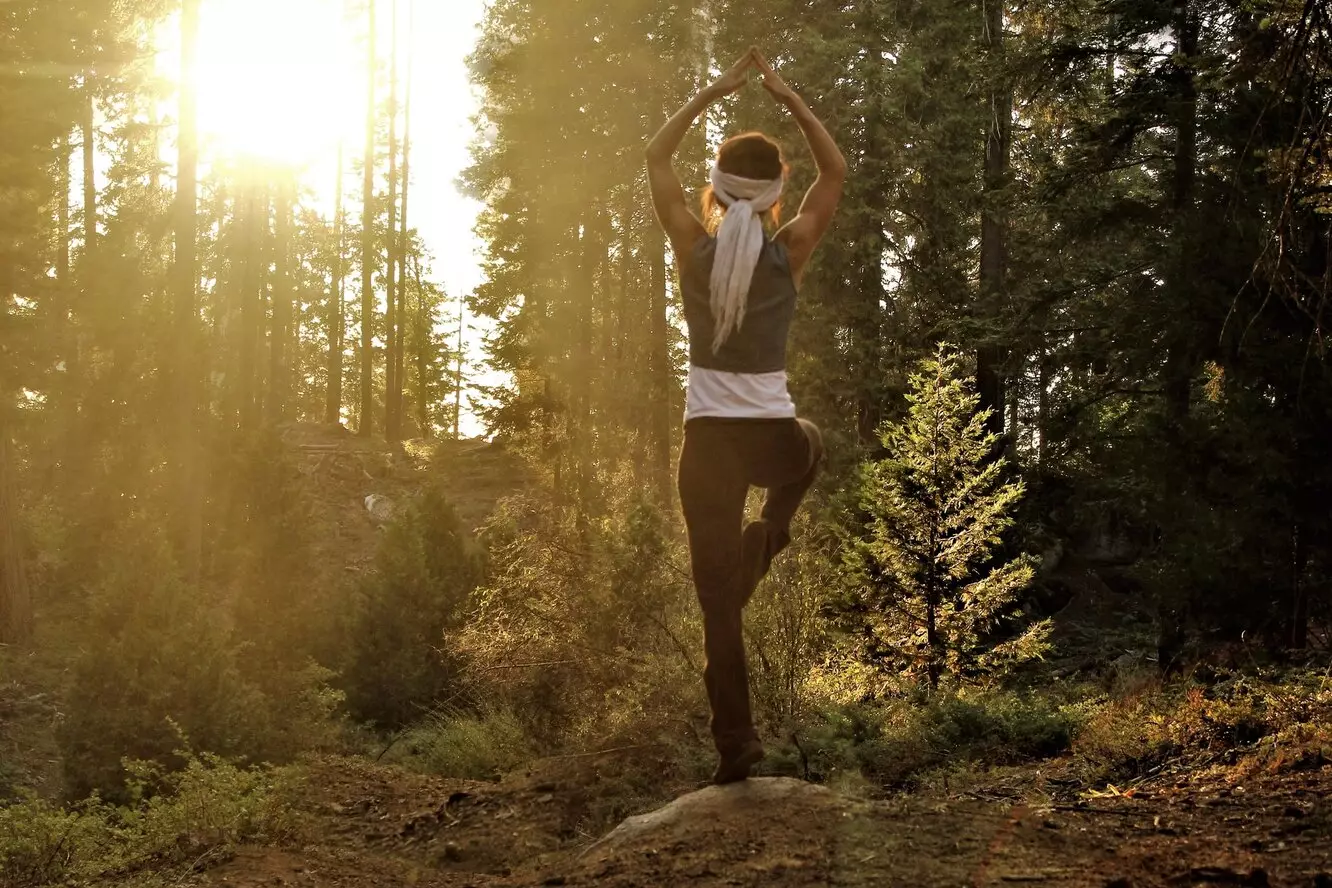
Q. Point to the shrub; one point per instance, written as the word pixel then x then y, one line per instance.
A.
pixel 159 653
pixel 170 819
pixel 588 631
pixel 481 746
pixel 897 742
pixel 427 567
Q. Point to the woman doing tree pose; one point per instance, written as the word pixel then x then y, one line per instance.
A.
pixel 741 431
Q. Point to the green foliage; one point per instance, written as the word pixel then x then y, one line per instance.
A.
pixel 939 592
pixel 589 634
pixel 171 820
pixel 159 655
pixel 897 743
pixel 786 633
pixel 1260 721
pixel 426 567
pixel 481 746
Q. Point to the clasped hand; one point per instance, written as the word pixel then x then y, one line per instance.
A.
pixel 738 75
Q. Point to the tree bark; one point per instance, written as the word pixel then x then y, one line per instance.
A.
pixel 190 398
pixel 422 356
pixel 993 259
pixel 1174 605
pixel 89 172
pixel 400 356
pixel 15 593
pixel 250 306
pixel 279 373
pixel 458 376
pixel 659 369
pixel 393 321
pixel 335 324
pixel 366 419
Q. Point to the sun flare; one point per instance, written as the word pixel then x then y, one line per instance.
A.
pixel 278 80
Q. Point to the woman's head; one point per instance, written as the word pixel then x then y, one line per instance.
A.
pixel 750 156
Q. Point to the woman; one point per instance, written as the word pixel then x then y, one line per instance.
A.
pixel 741 431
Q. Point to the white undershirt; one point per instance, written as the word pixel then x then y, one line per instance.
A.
pixel 737 395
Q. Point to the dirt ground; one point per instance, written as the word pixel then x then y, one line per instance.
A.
pixel 366 825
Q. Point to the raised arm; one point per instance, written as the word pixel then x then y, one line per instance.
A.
pixel 803 233
pixel 682 227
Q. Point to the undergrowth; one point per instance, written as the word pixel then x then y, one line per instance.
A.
pixel 174 822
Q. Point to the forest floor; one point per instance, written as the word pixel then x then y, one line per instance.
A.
pixel 364 825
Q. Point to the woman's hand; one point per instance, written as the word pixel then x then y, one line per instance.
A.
pixel 736 77
pixel 772 81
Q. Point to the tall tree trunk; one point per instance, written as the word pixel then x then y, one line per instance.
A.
pixel 87 272
pixel 659 364
pixel 422 356
pixel 89 171
pixel 62 220
pixel 15 593
pixel 868 321
pixel 250 304
pixel 65 337
pixel 335 325
pixel 366 420
pixel 400 356
pixel 279 375
pixel 393 386
pixel 458 376
pixel 1178 362
pixel 581 436
pixel 1174 604
pixel 190 396
pixel 993 260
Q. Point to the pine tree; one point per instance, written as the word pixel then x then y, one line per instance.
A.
pixel 941 595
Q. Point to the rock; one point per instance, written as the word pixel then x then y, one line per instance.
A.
pixel 450 853
pixel 380 508
pixel 715 807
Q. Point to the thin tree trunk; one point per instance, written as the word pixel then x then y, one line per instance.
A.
pixel 993 261
pixel 250 303
pixel 1178 369
pixel 581 436
pixel 867 328
pixel 190 400
pixel 335 325
pixel 64 315
pixel 89 173
pixel 62 219
pixel 15 593
pixel 366 420
pixel 422 356
pixel 1174 605
pixel 458 376
pixel 279 375
pixel 659 363
pixel 400 371
pixel 392 420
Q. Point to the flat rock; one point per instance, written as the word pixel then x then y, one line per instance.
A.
pixel 737 806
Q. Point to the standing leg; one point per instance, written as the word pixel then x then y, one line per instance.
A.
pixel 712 494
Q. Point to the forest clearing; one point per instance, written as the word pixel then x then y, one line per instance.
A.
pixel 663 442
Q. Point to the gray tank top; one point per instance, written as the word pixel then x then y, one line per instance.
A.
pixel 759 346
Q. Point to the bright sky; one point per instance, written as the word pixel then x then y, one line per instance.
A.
pixel 285 80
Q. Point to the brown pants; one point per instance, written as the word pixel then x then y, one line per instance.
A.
pixel 722 459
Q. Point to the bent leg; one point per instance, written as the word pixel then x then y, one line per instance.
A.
pixel 785 498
